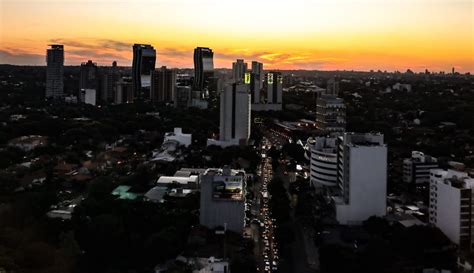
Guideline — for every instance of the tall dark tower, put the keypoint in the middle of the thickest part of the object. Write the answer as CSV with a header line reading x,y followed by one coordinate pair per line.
x,y
89,78
144,58
203,67
55,72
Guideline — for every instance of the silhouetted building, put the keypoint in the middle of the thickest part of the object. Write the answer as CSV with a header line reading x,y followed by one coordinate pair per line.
x,y
163,84
110,78
332,87
182,97
55,72
203,67
144,58
89,76
256,81
238,70
124,91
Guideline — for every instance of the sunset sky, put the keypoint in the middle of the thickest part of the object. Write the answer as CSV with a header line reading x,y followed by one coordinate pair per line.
x,y
287,34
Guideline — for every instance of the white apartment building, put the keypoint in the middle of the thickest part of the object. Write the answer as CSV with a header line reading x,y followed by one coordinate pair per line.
x,y
451,205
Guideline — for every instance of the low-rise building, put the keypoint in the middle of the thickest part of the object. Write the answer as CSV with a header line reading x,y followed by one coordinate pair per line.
x,y
417,168
223,199
179,136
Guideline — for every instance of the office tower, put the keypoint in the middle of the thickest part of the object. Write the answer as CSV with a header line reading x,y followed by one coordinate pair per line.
x,y
238,71
55,72
332,87
257,68
88,96
235,114
182,97
274,87
256,81
89,76
163,84
203,67
451,202
222,201
110,78
124,91
144,58
323,162
361,178
330,114
417,168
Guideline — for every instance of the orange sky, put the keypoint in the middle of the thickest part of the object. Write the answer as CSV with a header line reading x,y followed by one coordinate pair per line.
x,y
288,34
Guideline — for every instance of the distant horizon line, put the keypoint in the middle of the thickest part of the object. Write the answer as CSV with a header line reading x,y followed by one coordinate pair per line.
x,y
276,69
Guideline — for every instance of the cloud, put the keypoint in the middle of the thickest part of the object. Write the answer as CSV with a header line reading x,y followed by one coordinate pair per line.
x,y
20,57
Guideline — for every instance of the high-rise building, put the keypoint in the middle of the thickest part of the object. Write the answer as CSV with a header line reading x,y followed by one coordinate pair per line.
x,y
124,91
332,87
417,168
110,78
330,114
182,97
362,173
144,58
271,95
55,72
274,87
163,84
222,201
256,81
203,67
238,70
89,76
235,114
451,202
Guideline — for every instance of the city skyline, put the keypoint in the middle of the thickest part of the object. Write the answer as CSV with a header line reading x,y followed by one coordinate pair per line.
x,y
327,35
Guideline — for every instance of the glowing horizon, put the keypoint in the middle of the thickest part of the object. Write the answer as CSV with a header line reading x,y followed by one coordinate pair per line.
x,y
313,34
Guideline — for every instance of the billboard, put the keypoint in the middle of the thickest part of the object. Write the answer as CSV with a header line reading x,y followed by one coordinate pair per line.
x,y
228,188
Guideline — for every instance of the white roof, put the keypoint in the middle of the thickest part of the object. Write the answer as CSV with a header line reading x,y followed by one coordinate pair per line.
x,y
177,179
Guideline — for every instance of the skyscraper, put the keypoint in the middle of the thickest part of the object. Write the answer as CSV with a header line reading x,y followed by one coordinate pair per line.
x,y
235,114
110,77
238,70
203,67
256,81
163,84
144,58
89,78
274,87
55,72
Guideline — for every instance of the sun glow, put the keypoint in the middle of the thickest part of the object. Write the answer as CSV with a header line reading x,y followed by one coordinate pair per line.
x,y
315,34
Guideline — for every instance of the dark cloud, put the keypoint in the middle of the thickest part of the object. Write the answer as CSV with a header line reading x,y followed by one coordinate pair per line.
x,y
95,44
21,58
